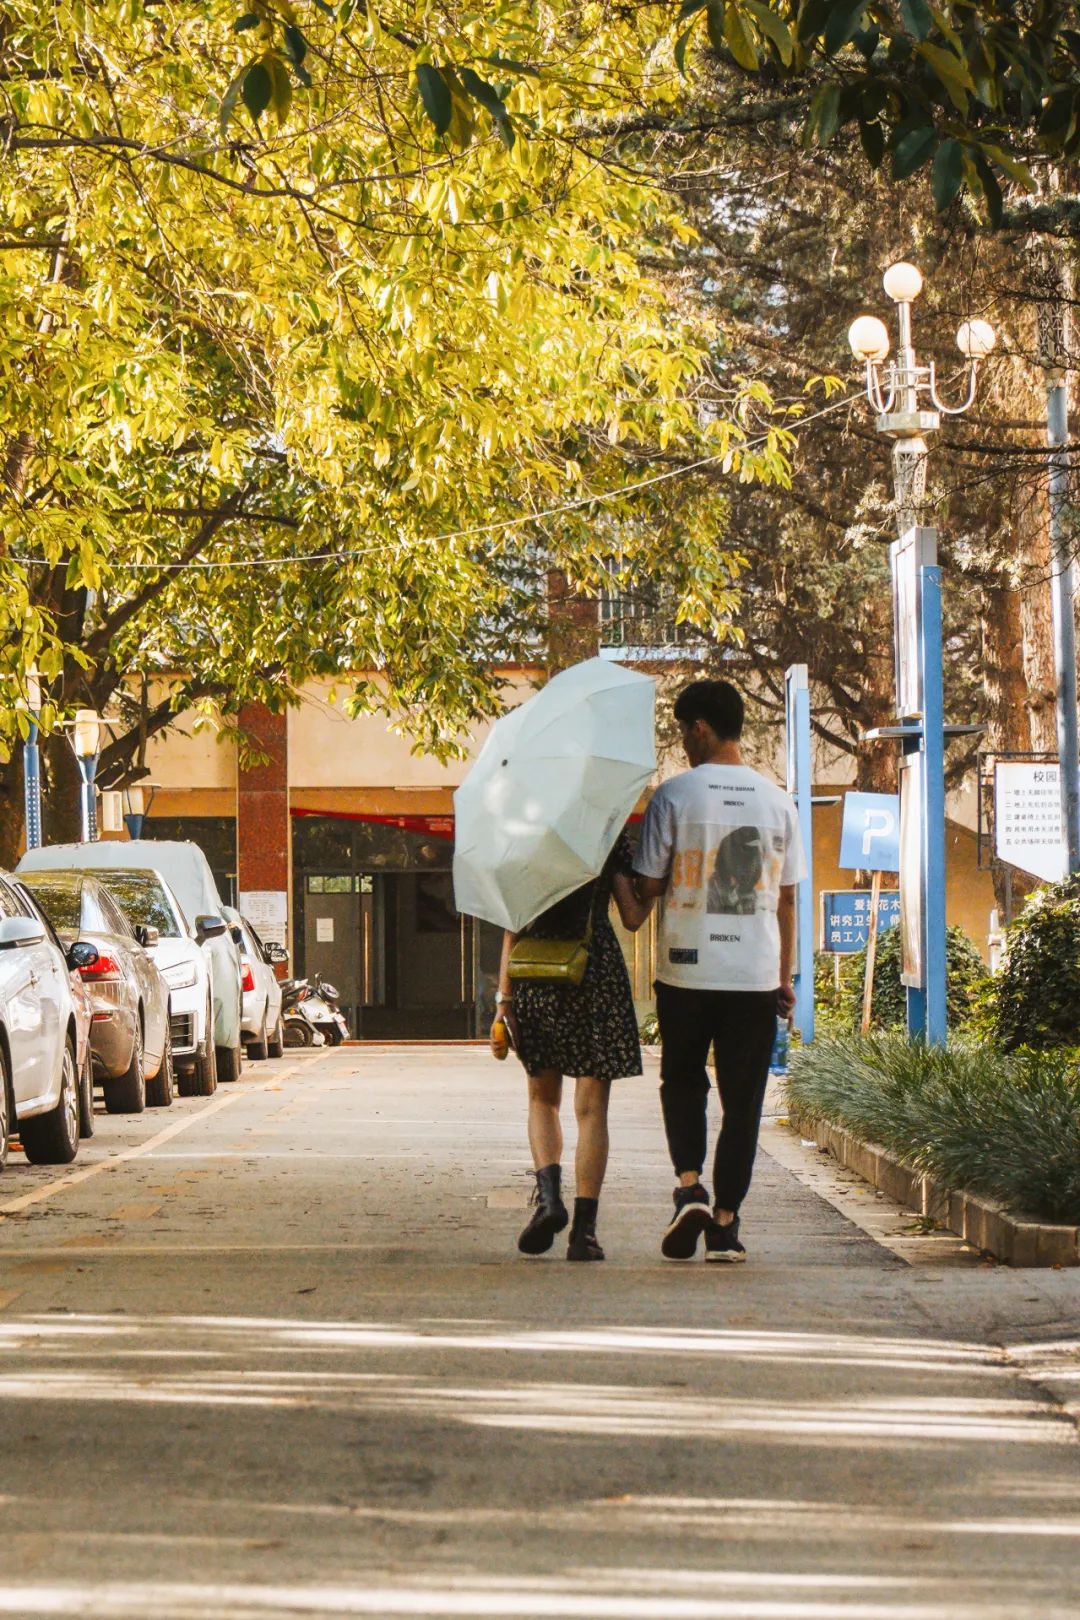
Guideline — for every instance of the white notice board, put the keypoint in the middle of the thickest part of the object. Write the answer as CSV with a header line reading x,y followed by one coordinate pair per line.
x,y
267,910
1027,819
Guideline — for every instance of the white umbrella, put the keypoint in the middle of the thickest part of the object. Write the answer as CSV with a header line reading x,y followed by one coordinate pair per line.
x,y
551,789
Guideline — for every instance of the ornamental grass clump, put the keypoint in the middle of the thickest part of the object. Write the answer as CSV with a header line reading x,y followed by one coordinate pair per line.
x,y
977,1120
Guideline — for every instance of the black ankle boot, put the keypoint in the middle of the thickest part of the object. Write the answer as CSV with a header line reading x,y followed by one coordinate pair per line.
x,y
584,1244
549,1213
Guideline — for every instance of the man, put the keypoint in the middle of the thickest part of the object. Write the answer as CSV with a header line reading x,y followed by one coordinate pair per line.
x,y
721,844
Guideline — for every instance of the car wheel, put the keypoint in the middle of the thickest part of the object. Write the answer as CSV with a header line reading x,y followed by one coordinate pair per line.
x,y
7,1110
298,1032
275,1046
86,1096
260,1049
159,1090
229,1061
127,1095
53,1138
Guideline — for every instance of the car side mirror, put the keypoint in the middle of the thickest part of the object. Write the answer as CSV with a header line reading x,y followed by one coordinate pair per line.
x,y
274,953
238,935
210,928
147,936
82,954
20,931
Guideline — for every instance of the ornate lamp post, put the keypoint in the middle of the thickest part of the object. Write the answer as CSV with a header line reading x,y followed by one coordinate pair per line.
x,y
86,741
908,406
32,762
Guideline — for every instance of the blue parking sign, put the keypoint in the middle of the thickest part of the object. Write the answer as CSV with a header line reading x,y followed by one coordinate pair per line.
x,y
870,835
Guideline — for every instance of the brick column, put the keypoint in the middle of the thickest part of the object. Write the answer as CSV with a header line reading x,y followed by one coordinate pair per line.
x,y
262,806
573,624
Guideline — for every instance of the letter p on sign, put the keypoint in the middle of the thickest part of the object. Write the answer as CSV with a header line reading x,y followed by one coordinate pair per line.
x,y
870,837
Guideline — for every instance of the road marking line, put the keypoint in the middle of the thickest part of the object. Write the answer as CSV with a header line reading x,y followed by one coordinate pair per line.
x,y
138,1211
14,1206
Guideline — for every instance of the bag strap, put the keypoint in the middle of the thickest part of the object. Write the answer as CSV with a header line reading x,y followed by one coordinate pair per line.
x,y
587,941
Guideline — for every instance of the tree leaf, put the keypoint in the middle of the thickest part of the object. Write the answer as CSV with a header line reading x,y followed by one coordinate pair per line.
x,y
435,95
280,88
916,17
873,141
680,49
250,19
714,18
774,28
991,191
823,119
947,175
229,100
257,90
739,40
813,15
490,99
843,24
952,72
295,45
690,8
1013,167
912,150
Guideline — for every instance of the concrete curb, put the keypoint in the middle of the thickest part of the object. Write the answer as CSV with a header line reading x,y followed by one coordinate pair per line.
x,y
983,1224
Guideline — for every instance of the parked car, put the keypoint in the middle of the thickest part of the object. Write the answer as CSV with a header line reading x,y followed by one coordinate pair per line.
x,y
39,1080
147,901
186,870
129,1036
260,1022
84,1014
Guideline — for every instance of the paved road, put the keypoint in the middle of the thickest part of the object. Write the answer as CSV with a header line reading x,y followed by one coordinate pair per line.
x,y
274,1354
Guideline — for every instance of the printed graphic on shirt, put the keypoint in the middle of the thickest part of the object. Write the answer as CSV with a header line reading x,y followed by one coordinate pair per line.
x,y
746,871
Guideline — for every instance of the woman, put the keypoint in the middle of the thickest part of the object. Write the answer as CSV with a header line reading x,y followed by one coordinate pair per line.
x,y
588,1031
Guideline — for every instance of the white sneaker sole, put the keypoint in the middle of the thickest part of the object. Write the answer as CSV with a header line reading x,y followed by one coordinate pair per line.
x,y
725,1257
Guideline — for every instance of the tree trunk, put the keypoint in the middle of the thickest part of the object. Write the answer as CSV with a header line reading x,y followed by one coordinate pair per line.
x,y
61,806
11,811
1032,528
876,766
1008,719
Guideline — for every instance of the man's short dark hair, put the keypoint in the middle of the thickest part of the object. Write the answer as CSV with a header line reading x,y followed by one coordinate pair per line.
x,y
717,703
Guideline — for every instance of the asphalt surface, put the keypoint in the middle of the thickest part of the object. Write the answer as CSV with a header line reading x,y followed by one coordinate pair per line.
x,y
274,1353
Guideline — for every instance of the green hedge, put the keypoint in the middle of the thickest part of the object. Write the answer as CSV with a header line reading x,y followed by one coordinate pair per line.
x,y
1007,1127
1036,996
842,1010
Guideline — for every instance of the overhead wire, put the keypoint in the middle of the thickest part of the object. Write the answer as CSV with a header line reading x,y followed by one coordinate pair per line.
x,y
498,526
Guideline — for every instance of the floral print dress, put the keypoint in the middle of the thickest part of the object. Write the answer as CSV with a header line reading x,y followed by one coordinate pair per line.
x,y
589,1028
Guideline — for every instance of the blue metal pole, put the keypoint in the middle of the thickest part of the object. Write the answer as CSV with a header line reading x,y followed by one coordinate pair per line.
x,y
32,787
932,792
88,770
801,788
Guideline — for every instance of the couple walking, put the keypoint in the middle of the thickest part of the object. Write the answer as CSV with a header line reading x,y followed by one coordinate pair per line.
x,y
720,851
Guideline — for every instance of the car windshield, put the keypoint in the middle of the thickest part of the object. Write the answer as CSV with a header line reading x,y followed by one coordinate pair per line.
x,y
59,899
142,899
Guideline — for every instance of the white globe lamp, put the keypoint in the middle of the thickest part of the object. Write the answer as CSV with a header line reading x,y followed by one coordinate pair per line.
x,y
868,338
903,282
976,339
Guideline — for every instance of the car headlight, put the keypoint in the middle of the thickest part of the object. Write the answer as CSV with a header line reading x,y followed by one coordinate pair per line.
x,y
179,975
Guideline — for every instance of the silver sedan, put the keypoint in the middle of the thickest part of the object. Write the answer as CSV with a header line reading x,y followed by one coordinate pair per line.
x,y
129,1034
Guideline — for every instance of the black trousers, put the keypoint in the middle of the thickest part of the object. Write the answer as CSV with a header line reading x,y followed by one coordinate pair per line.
x,y
740,1025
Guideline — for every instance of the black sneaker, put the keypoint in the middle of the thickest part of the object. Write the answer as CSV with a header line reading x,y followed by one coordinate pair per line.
x,y
722,1242
549,1213
692,1217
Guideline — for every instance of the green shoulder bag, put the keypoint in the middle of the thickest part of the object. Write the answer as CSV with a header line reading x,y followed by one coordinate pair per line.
x,y
552,961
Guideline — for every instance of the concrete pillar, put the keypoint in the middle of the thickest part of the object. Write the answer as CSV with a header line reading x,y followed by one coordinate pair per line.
x,y
263,847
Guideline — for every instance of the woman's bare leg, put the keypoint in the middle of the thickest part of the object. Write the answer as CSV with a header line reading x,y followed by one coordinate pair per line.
x,y
591,1107
545,1126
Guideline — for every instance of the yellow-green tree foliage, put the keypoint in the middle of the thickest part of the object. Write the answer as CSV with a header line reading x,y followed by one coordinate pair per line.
x,y
334,284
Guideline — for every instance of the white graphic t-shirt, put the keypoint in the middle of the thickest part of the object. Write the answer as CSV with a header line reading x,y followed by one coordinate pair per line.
x,y
727,839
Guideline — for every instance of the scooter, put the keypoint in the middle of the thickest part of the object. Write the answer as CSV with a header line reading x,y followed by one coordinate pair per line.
x,y
333,1024
300,1019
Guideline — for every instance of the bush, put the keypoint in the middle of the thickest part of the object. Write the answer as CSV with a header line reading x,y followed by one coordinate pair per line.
x,y
1036,997
966,980
976,1120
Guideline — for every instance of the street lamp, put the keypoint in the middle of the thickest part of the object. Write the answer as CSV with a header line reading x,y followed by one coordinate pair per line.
x,y
32,761
908,405
86,741
138,800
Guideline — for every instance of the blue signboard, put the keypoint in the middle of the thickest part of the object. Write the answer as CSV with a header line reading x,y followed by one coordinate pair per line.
x,y
845,918
870,835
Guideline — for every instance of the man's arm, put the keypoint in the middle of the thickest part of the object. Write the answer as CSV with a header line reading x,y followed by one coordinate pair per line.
x,y
785,915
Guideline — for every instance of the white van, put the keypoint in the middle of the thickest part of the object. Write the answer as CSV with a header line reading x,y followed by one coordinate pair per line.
x,y
187,872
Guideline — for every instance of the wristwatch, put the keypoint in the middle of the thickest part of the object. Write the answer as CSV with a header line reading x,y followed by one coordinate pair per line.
x,y
504,998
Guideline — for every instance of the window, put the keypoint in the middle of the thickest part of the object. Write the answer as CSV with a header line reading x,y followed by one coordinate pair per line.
x,y
143,901
59,900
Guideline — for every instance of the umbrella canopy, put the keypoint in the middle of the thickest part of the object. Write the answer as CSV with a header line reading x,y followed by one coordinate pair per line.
x,y
550,791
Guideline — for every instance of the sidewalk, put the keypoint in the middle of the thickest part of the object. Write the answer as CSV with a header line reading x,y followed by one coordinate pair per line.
x,y
319,1381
